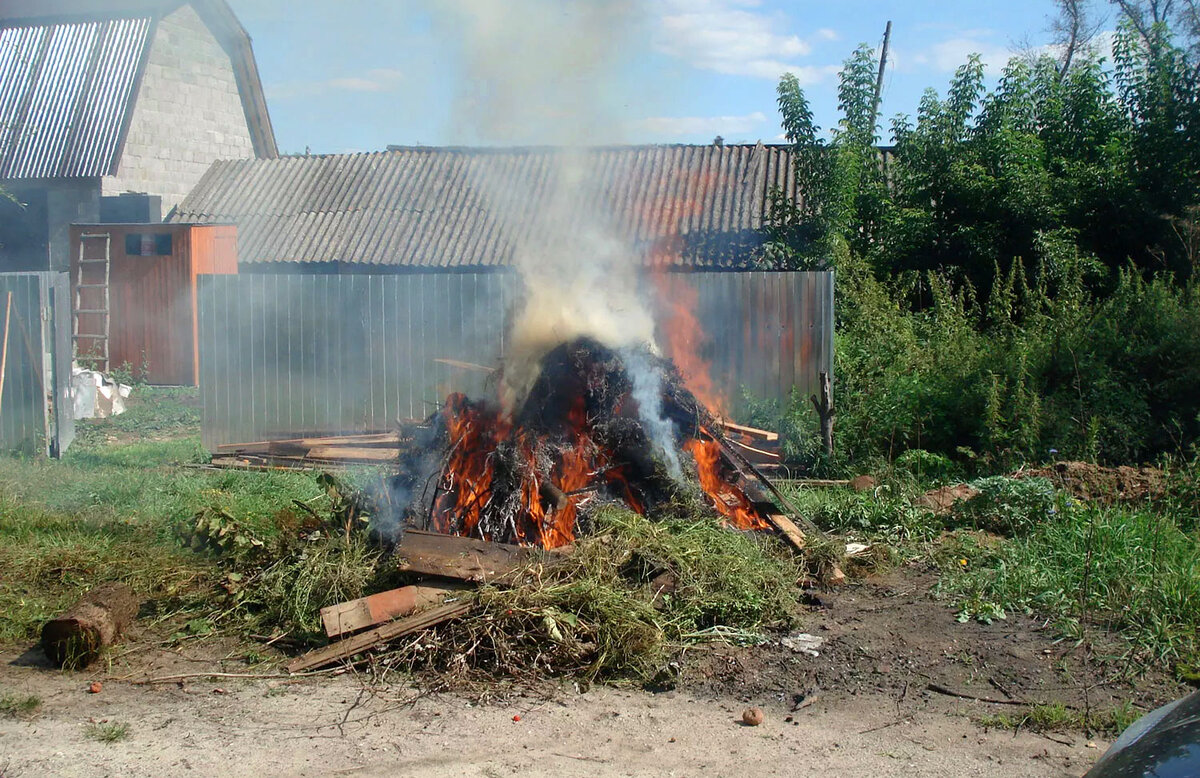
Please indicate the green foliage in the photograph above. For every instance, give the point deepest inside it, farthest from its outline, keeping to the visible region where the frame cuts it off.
(1008, 506)
(1133, 571)
(1023, 279)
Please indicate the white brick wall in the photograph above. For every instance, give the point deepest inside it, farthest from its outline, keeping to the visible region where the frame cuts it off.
(188, 113)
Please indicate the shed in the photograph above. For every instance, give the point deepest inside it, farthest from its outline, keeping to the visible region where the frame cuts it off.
(133, 288)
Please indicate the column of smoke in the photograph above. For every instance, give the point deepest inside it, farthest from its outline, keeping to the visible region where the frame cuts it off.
(547, 72)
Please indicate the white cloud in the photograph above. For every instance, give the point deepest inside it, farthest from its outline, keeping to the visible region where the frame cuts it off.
(948, 55)
(733, 37)
(677, 126)
(827, 34)
(374, 80)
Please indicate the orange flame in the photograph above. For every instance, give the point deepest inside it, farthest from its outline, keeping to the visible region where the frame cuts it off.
(729, 501)
(684, 338)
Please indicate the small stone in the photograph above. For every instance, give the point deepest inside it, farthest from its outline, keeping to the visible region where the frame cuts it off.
(752, 717)
(94, 687)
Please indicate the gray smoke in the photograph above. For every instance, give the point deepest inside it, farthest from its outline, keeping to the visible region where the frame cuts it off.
(648, 392)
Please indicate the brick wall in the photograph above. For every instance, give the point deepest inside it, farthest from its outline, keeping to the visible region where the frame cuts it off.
(188, 113)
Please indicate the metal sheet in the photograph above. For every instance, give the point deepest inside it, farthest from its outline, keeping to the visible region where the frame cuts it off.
(65, 92)
(285, 355)
(35, 407)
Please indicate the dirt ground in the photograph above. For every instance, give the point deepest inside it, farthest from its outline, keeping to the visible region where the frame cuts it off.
(864, 706)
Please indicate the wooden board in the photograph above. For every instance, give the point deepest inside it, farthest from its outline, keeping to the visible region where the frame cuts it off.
(789, 530)
(752, 432)
(351, 616)
(450, 556)
(345, 453)
(364, 440)
(344, 649)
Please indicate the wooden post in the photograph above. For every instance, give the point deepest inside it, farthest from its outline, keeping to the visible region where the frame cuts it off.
(825, 413)
(4, 347)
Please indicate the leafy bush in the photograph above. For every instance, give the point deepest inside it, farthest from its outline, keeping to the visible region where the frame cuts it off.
(1008, 506)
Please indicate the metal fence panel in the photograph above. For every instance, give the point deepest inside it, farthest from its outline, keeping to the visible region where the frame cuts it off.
(291, 355)
(35, 404)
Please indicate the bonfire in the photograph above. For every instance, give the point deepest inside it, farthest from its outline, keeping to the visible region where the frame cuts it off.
(578, 441)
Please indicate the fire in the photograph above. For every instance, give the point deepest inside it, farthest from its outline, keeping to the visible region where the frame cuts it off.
(729, 501)
(684, 336)
(473, 434)
(530, 477)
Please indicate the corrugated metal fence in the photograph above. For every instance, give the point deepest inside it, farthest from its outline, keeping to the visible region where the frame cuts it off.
(285, 355)
(35, 407)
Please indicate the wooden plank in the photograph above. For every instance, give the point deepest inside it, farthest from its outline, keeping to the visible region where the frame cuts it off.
(351, 616)
(344, 649)
(346, 453)
(753, 432)
(450, 556)
(772, 456)
(366, 439)
(787, 528)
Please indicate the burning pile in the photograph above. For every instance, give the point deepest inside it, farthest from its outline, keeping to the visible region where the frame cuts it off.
(578, 441)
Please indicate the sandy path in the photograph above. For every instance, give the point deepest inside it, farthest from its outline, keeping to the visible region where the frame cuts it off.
(263, 728)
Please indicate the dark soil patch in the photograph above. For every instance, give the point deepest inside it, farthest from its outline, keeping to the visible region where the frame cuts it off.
(890, 637)
(1101, 484)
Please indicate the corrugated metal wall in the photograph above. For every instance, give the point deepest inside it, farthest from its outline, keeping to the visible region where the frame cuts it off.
(284, 355)
(35, 407)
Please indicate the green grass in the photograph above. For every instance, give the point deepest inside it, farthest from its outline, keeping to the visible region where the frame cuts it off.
(1132, 571)
(107, 731)
(124, 512)
(1056, 717)
(20, 706)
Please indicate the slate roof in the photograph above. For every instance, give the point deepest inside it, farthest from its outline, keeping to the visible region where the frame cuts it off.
(429, 208)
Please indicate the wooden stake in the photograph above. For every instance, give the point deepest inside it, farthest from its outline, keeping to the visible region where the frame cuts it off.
(4, 348)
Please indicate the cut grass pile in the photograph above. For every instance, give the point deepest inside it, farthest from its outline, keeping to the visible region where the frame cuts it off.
(621, 605)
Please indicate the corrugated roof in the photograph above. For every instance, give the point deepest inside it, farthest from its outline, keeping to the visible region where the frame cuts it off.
(453, 207)
(66, 90)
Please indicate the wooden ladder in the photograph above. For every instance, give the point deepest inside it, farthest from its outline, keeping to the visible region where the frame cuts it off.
(99, 355)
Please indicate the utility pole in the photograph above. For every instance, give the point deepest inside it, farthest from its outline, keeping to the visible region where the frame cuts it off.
(887, 37)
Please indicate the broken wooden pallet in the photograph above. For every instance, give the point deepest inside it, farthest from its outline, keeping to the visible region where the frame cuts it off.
(356, 644)
(354, 615)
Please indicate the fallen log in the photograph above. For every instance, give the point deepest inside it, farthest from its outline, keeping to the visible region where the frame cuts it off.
(96, 620)
(343, 649)
(351, 616)
(451, 556)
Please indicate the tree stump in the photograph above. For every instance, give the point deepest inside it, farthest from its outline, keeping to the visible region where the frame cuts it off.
(97, 619)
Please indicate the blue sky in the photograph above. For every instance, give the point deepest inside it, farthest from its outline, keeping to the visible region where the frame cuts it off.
(356, 76)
